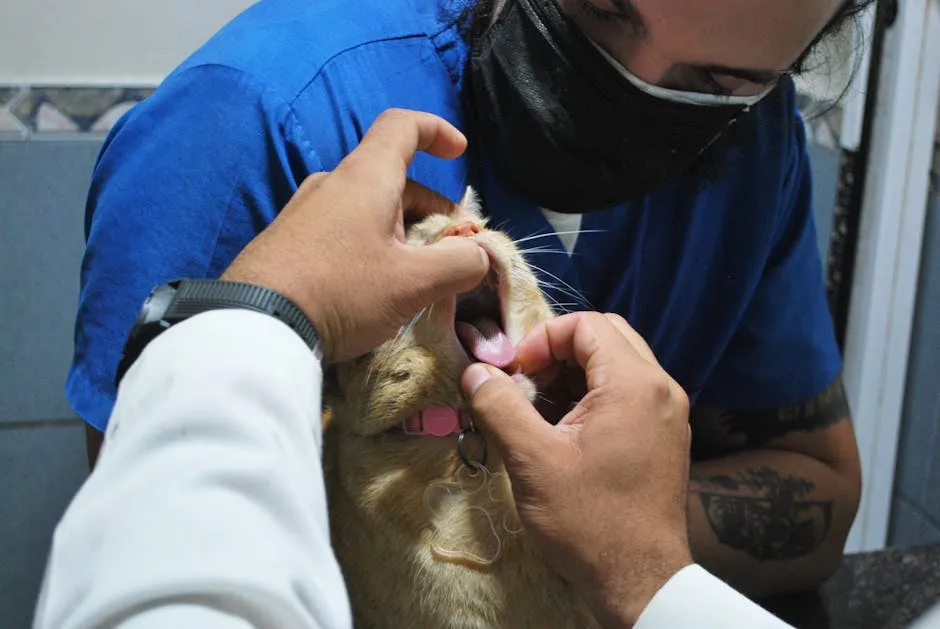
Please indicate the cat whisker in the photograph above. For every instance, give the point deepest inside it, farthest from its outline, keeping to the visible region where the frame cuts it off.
(540, 250)
(557, 305)
(499, 228)
(562, 309)
(571, 290)
(554, 233)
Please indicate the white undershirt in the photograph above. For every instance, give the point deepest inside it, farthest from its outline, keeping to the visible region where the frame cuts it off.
(566, 226)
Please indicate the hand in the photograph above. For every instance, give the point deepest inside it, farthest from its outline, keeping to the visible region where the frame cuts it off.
(338, 248)
(603, 493)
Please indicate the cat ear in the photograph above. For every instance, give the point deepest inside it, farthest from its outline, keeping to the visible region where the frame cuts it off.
(470, 204)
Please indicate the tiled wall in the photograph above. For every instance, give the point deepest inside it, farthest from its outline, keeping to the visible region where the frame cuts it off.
(49, 139)
(46, 112)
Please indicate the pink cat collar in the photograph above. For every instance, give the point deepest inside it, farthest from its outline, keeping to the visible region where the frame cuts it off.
(435, 422)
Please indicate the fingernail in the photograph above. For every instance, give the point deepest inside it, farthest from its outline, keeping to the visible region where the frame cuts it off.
(475, 376)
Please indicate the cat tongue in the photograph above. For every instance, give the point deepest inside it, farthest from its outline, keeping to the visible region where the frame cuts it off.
(487, 342)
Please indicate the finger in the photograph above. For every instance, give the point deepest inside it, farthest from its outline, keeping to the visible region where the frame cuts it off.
(501, 409)
(638, 342)
(587, 337)
(419, 201)
(390, 144)
(450, 266)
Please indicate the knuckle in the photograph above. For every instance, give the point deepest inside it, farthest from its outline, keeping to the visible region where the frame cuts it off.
(662, 389)
(616, 319)
(659, 387)
(681, 401)
(392, 113)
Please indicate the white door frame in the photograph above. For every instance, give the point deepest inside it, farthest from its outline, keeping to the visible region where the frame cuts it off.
(889, 250)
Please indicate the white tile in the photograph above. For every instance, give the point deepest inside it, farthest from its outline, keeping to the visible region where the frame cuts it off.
(48, 118)
(105, 122)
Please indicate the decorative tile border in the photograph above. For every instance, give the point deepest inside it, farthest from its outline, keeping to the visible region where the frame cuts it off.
(37, 112)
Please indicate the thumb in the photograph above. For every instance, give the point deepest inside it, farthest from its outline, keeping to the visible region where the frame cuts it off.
(502, 410)
(448, 267)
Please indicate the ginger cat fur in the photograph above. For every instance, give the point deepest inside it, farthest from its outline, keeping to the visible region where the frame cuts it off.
(424, 542)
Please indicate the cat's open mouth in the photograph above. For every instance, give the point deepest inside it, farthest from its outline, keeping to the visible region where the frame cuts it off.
(480, 321)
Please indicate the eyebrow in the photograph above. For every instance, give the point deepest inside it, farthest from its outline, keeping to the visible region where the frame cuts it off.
(628, 11)
(631, 15)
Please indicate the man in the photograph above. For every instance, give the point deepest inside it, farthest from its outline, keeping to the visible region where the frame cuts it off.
(210, 483)
(653, 150)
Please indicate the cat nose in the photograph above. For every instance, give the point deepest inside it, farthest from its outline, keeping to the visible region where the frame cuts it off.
(463, 228)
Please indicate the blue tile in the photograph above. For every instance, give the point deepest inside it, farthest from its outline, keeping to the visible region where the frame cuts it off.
(909, 527)
(42, 206)
(43, 466)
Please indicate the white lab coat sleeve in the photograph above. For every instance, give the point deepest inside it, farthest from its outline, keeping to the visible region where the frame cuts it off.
(207, 507)
(696, 599)
(930, 619)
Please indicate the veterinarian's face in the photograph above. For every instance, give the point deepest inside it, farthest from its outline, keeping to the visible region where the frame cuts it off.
(584, 104)
(738, 47)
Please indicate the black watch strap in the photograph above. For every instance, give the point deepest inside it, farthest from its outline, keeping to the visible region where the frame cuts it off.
(176, 301)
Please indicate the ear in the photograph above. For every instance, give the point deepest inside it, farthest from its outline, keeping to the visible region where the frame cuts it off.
(470, 204)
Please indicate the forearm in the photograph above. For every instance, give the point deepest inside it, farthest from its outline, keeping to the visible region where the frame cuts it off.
(769, 521)
(207, 507)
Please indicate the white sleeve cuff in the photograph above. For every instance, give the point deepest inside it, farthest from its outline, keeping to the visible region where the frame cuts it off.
(695, 598)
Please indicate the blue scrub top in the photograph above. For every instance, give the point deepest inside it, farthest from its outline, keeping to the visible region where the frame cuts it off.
(725, 282)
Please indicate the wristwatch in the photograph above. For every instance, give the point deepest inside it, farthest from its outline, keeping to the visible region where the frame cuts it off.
(176, 301)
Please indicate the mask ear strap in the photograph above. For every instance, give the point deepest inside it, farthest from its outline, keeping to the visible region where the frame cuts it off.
(677, 96)
(731, 123)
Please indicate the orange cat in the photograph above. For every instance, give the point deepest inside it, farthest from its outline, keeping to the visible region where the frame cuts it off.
(424, 540)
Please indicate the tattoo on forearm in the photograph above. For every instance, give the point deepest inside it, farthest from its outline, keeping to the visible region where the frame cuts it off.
(773, 519)
(759, 427)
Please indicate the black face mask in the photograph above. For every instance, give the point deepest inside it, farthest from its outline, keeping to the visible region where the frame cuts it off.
(564, 128)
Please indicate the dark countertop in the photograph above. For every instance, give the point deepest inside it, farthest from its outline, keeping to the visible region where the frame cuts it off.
(888, 589)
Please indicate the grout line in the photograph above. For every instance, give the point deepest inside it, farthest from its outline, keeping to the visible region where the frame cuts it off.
(40, 423)
(13, 101)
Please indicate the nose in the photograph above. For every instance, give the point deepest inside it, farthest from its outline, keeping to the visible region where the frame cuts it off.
(463, 228)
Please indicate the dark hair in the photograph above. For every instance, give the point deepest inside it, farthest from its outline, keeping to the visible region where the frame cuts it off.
(847, 13)
(474, 19)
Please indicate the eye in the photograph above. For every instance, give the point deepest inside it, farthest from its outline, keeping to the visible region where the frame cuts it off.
(714, 86)
(593, 11)
(701, 81)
